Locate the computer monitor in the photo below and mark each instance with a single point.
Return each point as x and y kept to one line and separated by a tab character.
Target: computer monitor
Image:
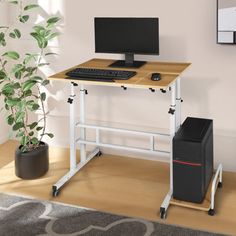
127	35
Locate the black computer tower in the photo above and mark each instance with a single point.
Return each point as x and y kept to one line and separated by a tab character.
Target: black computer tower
192	159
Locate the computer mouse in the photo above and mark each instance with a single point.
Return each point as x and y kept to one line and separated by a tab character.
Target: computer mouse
156	76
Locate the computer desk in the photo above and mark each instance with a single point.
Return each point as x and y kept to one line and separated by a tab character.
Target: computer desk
170	82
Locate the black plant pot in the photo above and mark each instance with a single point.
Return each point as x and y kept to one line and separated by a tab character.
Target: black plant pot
32	164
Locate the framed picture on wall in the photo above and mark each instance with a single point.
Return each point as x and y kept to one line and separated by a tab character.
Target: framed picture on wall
226	21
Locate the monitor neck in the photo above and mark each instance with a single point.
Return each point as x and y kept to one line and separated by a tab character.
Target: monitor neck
129	59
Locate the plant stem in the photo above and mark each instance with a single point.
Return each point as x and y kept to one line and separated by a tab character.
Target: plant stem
26	122
44	116
21	7
40	119
3	67
41	101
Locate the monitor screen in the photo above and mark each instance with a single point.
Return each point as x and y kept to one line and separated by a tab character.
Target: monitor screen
127	35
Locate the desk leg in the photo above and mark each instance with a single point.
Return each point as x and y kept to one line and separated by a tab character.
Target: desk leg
82	121
72	127
172	129
178	104
74	167
165	204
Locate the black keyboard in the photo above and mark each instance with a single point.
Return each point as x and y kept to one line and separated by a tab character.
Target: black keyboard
93	74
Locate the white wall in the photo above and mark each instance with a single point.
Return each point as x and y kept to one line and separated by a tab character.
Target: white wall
187	33
4	129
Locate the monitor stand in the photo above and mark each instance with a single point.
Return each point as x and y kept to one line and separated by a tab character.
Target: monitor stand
128	62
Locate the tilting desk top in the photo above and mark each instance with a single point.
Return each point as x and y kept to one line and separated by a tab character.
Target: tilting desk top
169	73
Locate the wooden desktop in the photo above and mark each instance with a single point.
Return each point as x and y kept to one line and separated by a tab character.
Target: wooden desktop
169	73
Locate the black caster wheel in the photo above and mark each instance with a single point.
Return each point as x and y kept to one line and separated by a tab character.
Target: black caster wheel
163	213
211	212
220	185
55	192
99	154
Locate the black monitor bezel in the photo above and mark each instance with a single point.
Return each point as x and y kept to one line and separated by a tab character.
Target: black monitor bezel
129	52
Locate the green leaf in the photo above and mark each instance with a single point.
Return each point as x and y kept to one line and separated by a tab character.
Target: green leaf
2	75
2	39
39	128
39	29
13	101
10	119
47	33
28	74
33	125
49	135
50	53
32	106
30	103
3	43
31	133
20	134
18	126
12	54
12	35
28	7
27	93
53	35
8	89
7	107
43	64
2	35
45	43
27	85
14	2
4	63
43	96
53	20
36	78
34	141
16	85
29	57
21	105
42	42
20	116
23	147
35	107
17	33
45	82
24	142
18	68
30	71
24	18
18	75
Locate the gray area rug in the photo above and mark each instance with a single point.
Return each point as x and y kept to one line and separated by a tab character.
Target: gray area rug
22	217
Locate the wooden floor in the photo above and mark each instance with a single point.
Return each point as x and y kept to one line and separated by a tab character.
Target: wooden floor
120	185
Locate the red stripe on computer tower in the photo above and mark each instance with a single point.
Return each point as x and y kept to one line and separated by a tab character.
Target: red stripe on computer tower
187	163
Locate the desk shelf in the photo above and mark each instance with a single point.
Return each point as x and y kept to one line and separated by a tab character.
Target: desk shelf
208	203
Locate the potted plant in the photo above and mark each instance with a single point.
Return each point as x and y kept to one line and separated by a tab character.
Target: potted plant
22	87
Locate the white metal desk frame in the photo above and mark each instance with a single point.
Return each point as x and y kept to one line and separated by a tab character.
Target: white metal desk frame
175	122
